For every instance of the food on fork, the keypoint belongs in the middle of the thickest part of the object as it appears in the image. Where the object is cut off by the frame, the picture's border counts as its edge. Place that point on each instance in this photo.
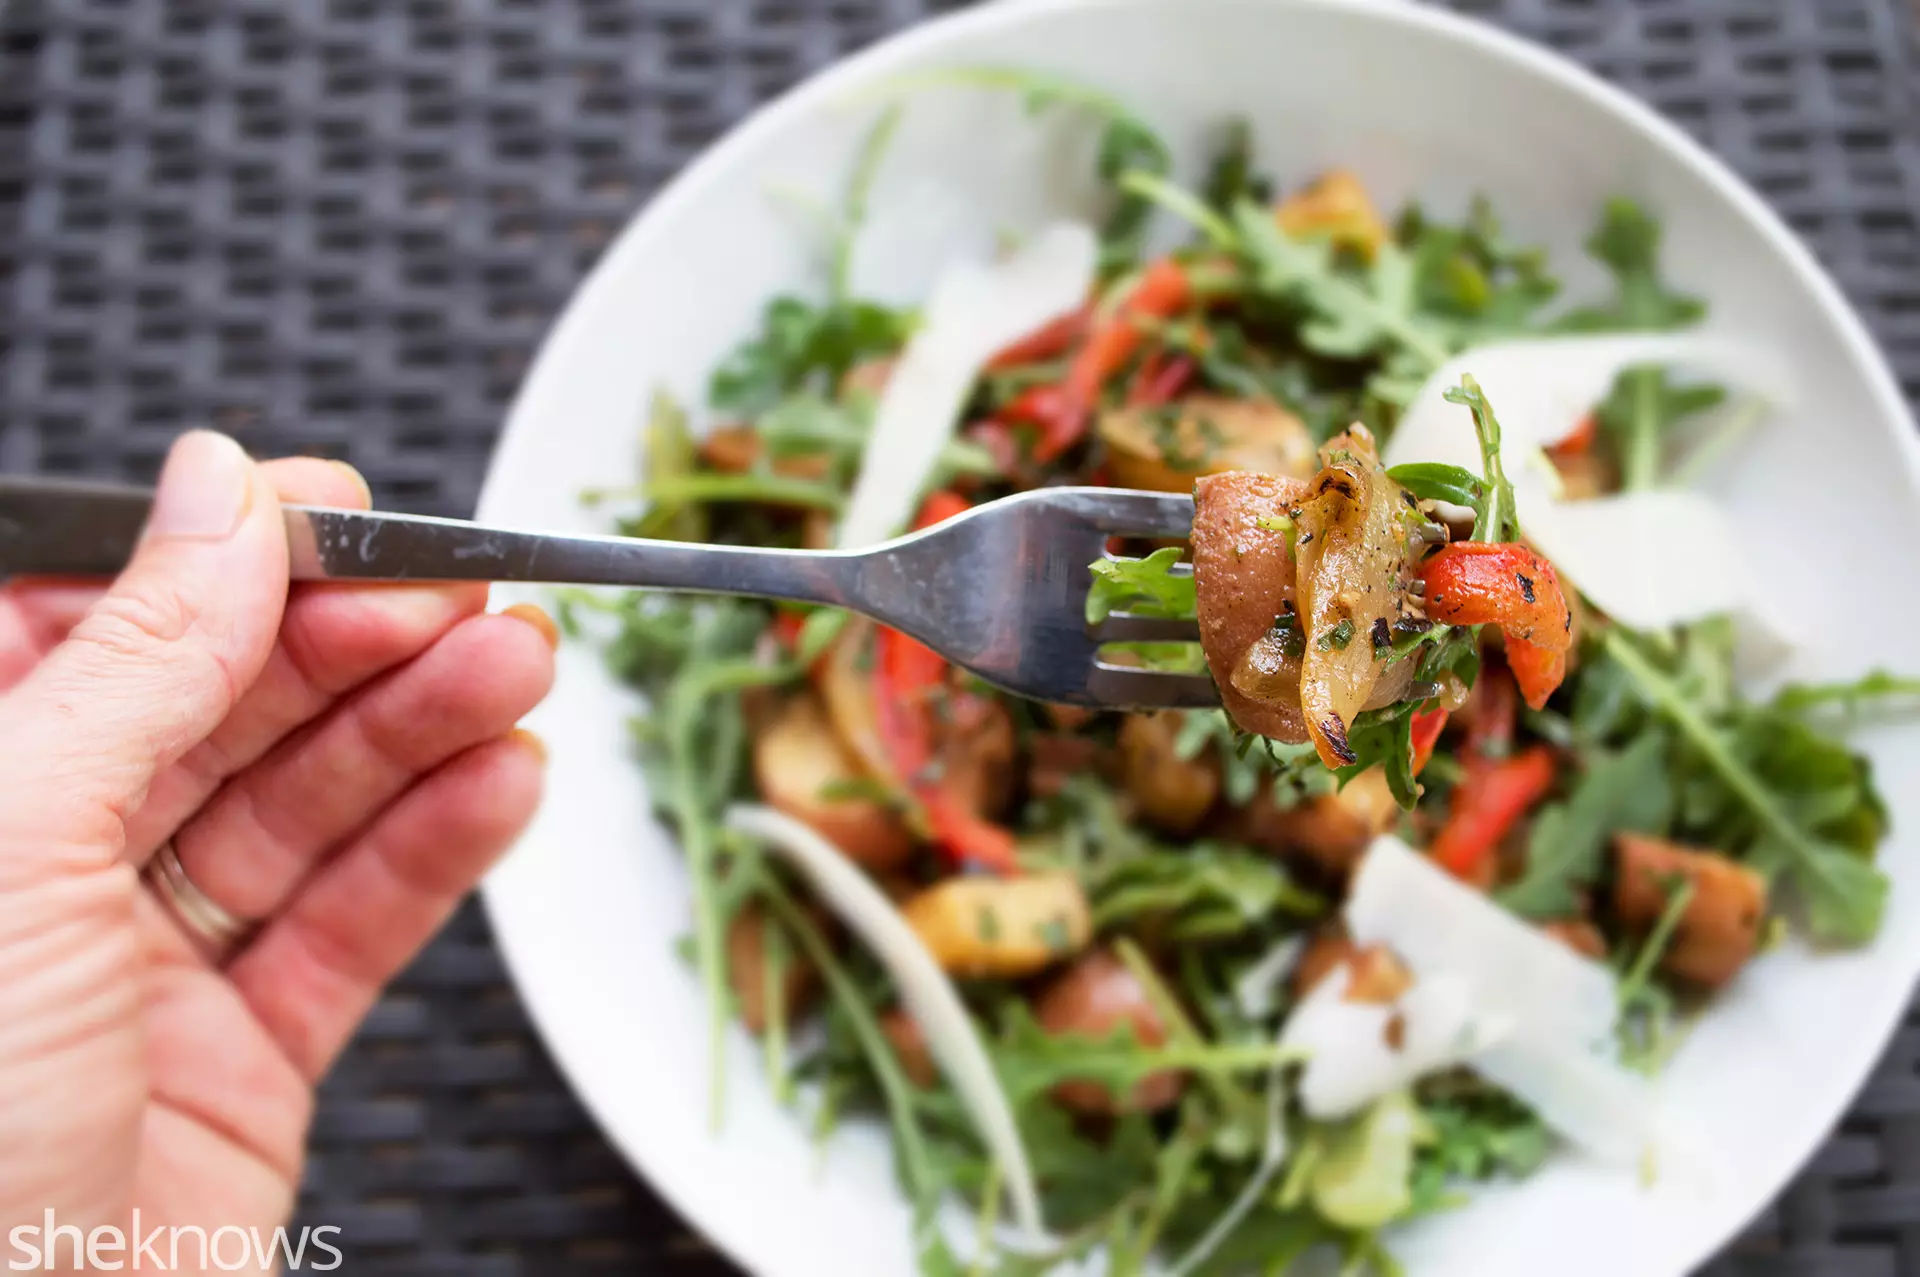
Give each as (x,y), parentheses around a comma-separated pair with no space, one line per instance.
(1432,893)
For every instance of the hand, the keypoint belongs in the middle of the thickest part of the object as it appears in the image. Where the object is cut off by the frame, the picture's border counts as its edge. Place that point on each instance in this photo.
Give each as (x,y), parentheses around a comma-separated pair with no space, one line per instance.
(337,765)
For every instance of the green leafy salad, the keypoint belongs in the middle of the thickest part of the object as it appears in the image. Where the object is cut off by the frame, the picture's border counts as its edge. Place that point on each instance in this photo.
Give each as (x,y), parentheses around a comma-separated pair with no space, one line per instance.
(1218,989)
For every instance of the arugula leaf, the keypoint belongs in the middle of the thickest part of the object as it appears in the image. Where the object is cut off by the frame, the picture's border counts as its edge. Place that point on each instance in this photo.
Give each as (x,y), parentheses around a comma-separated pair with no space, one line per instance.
(1642,404)
(1627,790)
(803,346)
(1627,242)
(1475,1137)
(670,452)
(1231,179)
(1486,287)
(1494,512)
(1145,587)
(1438,481)
(1204,892)
(1351,312)
(1851,699)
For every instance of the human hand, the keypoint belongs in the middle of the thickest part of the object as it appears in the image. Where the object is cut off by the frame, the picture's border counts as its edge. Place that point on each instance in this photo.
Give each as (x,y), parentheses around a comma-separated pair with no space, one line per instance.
(335,765)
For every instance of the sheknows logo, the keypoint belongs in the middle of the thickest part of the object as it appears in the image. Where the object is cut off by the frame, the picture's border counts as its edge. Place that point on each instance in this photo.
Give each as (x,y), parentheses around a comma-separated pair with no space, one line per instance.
(168,1249)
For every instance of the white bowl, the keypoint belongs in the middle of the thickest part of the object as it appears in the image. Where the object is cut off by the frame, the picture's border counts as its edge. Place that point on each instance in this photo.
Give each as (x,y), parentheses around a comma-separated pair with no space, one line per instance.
(1421,103)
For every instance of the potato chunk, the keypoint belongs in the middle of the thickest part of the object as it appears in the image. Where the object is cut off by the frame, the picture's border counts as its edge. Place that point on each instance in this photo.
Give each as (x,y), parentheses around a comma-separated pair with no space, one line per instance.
(797,759)
(1001,927)
(1720,928)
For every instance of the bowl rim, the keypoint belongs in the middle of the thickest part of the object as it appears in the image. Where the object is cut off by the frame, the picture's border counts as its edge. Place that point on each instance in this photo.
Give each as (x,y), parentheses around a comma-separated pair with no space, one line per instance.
(840,80)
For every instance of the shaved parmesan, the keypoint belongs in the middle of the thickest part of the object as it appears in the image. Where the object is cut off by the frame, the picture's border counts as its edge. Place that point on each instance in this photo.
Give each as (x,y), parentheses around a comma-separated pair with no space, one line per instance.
(924,989)
(1651,559)
(1354,1056)
(1437,924)
(975,311)
(1558,1008)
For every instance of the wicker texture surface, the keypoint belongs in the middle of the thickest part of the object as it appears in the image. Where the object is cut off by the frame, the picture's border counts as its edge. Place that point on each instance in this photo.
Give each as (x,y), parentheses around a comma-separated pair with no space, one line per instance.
(341,227)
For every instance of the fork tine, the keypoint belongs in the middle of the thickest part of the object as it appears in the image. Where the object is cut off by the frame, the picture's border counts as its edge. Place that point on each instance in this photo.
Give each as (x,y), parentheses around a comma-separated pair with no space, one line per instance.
(1123,512)
(1129,687)
(1124,627)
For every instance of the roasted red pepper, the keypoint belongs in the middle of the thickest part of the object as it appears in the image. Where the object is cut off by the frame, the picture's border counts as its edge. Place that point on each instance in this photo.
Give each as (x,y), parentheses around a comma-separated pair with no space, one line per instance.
(1049,341)
(1508,585)
(1501,583)
(1538,670)
(1158,380)
(1487,804)
(1580,442)
(1163,289)
(1427,726)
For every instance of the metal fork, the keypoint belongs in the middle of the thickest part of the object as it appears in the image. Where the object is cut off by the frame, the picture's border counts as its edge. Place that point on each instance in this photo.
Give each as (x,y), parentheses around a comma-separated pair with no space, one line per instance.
(1000,590)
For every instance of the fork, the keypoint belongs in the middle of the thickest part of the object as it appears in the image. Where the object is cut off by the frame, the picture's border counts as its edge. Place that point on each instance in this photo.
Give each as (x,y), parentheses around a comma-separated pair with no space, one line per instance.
(999,591)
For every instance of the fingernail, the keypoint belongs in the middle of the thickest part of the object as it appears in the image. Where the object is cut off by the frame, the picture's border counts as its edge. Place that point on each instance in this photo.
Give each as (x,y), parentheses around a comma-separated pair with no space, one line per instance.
(359,481)
(205,490)
(537,617)
(530,742)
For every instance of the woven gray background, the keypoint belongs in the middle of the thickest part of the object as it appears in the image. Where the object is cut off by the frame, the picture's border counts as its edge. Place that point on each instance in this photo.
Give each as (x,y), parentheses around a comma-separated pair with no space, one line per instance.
(341,227)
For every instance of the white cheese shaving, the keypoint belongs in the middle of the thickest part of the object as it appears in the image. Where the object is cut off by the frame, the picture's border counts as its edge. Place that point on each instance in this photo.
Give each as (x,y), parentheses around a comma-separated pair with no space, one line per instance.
(975,311)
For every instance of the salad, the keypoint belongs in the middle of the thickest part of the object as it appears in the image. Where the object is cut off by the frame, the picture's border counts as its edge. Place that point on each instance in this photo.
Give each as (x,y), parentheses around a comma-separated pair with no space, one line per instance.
(1436,890)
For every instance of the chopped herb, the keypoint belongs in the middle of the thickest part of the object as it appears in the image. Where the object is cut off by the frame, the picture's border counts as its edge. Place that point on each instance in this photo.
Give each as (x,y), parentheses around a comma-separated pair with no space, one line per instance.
(986,924)
(1337,638)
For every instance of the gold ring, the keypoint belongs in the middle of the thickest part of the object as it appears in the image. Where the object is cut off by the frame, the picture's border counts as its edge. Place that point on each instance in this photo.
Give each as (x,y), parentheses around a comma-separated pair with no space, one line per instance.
(202,917)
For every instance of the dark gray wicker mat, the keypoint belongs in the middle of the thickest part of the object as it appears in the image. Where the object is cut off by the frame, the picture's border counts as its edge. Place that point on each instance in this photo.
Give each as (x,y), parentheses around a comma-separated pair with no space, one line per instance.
(340,226)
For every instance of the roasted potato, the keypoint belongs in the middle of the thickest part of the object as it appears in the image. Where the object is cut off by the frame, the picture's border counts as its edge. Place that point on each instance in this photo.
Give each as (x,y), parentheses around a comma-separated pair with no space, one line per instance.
(1335,206)
(910,1044)
(1331,831)
(1378,977)
(975,746)
(1092,998)
(1720,929)
(795,758)
(846,689)
(1054,758)
(1001,927)
(747,971)
(1166,449)
(1172,793)
(1243,577)
(737,449)
(1578,935)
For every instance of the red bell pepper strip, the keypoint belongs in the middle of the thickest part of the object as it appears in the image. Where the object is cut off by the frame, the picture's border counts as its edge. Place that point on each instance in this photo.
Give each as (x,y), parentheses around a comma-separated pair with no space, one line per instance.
(787,626)
(1498,583)
(1538,670)
(1427,726)
(1491,734)
(1508,585)
(1158,381)
(939,507)
(1489,802)
(1580,442)
(1163,288)
(1035,406)
(969,840)
(1049,341)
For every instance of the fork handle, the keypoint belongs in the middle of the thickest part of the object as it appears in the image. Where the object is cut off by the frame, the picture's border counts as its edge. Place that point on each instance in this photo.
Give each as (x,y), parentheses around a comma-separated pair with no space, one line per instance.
(60,528)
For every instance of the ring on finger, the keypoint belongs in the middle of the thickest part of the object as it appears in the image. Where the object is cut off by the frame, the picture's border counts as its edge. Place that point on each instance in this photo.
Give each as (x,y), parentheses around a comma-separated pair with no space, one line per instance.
(212,926)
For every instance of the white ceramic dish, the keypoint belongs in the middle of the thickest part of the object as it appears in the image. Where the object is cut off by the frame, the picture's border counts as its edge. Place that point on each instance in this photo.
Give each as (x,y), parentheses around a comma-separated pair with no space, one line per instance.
(588,906)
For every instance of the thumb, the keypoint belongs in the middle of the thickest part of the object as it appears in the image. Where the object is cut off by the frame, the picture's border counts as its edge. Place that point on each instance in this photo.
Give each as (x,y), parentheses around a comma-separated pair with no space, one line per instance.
(152,669)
